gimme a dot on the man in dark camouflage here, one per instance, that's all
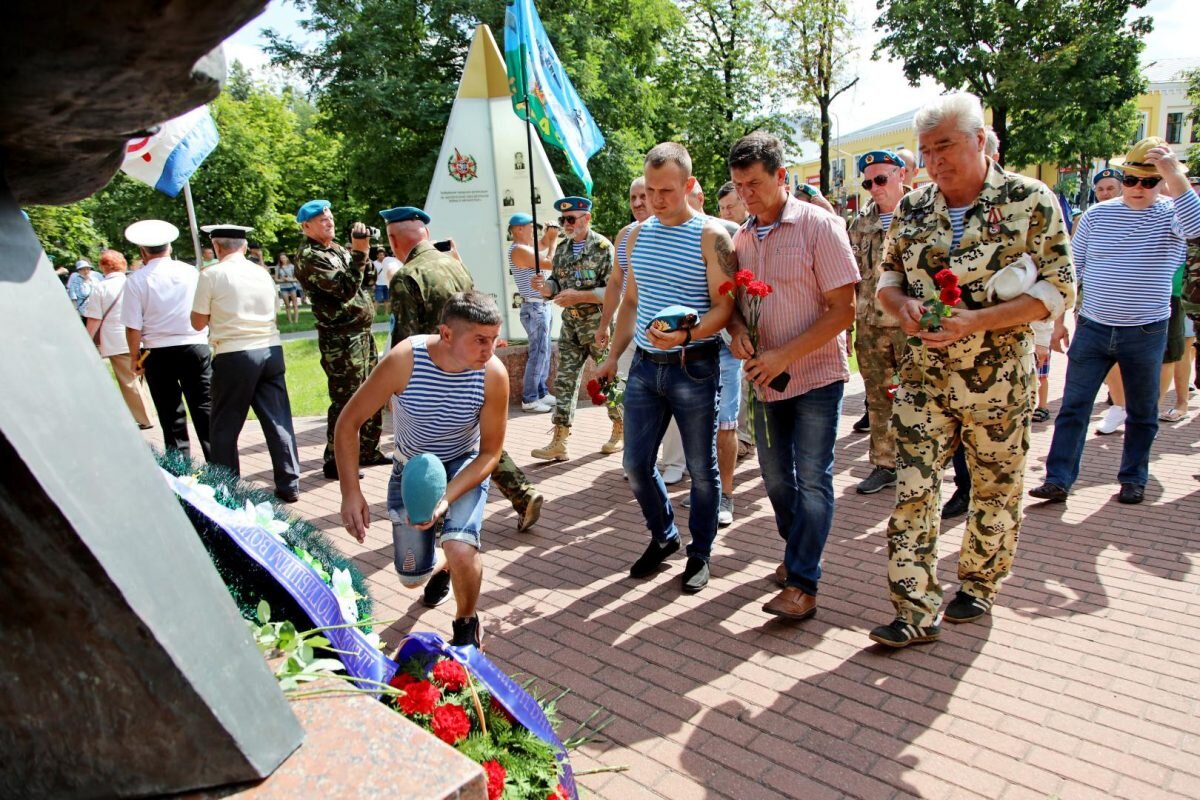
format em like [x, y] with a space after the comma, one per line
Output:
[419, 290]
[341, 286]
[878, 340]
[972, 380]
[582, 266]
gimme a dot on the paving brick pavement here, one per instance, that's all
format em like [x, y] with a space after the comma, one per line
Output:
[1084, 682]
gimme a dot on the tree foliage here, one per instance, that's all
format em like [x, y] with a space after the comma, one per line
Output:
[1193, 96]
[67, 233]
[1058, 75]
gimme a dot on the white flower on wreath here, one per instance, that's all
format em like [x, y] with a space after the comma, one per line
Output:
[346, 596]
[263, 515]
[193, 483]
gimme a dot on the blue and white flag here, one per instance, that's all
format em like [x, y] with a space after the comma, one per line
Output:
[167, 159]
[536, 75]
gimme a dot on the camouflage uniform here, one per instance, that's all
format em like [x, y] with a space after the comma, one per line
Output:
[577, 339]
[341, 285]
[979, 390]
[878, 340]
[419, 290]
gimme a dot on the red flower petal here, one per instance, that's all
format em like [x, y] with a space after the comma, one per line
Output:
[727, 288]
[496, 774]
[450, 674]
[419, 698]
[743, 277]
[951, 295]
[450, 723]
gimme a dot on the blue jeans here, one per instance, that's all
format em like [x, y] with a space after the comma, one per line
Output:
[797, 468]
[655, 393]
[535, 317]
[1138, 351]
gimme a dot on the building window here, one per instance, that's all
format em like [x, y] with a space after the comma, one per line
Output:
[1175, 127]
[837, 173]
[1143, 122]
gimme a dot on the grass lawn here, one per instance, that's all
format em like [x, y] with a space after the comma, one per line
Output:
[305, 378]
[306, 320]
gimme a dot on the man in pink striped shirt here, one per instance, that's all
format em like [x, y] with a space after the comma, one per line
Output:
[804, 255]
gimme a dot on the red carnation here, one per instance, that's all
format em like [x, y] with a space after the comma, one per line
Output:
[758, 289]
[743, 277]
[500, 710]
[727, 287]
[951, 295]
[945, 279]
[495, 778]
[450, 674]
[419, 698]
[451, 724]
[401, 679]
[598, 399]
[891, 390]
[593, 387]
[559, 793]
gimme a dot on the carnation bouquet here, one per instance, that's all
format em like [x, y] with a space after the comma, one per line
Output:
[754, 292]
[939, 308]
[606, 391]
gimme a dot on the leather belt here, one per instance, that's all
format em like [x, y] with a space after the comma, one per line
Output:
[696, 352]
[580, 311]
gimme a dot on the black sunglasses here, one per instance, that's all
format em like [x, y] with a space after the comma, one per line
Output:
[879, 180]
[1149, 183]
[569, 220]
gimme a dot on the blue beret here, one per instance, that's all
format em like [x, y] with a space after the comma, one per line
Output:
[878, 157]
[520, 218]
[403, 214]
[311, 209]
[573, 204]
[421, 487]
[1111, 172]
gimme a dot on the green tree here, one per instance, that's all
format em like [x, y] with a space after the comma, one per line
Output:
[66, 233]
[1193, 96]
[1055, 73]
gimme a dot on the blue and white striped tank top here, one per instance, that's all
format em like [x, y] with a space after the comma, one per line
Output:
[669, 268]
[522, 277]
[438, 412]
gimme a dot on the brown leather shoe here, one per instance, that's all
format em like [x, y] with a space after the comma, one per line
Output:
[792, 603]
[780, 576]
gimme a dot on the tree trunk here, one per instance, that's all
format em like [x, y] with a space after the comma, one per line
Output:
[1000, 126]
[824, 104]
[1085, 182]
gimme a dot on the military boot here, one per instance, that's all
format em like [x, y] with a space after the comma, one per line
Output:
[557, 449]
[617, 441]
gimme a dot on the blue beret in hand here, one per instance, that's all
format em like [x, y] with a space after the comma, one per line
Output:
[422, 486]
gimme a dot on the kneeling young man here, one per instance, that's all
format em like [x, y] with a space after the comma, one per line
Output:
[449, 397]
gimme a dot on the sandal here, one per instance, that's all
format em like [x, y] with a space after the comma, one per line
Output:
[1041, 414]
[1172, 415]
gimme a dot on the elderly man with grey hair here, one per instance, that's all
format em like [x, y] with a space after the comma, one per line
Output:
[968, 375]
[236, 300]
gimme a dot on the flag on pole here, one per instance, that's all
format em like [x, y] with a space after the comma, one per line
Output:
[535, 74]
[168, 158]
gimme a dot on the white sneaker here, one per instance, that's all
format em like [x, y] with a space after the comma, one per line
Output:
[535, 407]
[672, 473]
[725, 512]
[1114, 418]
[547, 402]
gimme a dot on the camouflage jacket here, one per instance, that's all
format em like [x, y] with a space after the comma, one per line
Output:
[586, 271]
[1012, 215]
[422, 286]
[866, 239]
[340, 284]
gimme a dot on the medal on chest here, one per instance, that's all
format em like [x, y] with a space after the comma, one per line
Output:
[994, 221]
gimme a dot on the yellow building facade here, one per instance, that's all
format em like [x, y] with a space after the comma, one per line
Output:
[1164, 111]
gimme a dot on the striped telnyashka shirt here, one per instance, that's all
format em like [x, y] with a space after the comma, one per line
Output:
[668, 266]
[522, 277]
[438, 412]
[805, 256]
[1126, 258]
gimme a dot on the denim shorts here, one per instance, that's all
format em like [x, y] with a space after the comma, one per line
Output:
[381, 293]
[414, 550]
[731, 390]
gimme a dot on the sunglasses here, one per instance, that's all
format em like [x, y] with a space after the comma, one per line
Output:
[569, 220]
[1149, 183]
[878, 180]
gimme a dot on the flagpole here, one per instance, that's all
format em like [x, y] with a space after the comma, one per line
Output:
[537, 251]
[191, 212]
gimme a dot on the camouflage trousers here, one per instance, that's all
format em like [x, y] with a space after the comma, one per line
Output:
[512, 483]
[348, 359]
[987, 406]
[878, 351]
[576, 342]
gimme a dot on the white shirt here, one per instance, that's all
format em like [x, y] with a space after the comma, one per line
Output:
[380, 273]
[158, 302]
[106, 299]
[239, 298]
[390, 265]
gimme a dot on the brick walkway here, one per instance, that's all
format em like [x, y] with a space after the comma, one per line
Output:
[1084, 682]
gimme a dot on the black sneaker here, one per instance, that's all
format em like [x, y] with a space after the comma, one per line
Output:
[437, 589]
[863, 425]
[654, 556]
[960, 501]
[899, 633]
[879, 479]
[1049, 492]
[287, 495]
[467, 633]
[966, 607]
[1131, 494]
[695, 575]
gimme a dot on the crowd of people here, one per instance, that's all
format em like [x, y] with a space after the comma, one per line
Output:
[707, 332]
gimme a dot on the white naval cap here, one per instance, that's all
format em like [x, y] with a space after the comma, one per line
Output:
[224, 231]
[151, 233]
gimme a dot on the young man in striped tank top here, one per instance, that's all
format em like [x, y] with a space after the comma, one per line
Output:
[804, 254]
[449, 396]
[676, 257]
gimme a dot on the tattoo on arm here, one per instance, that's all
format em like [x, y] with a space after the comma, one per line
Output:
[725, 255]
